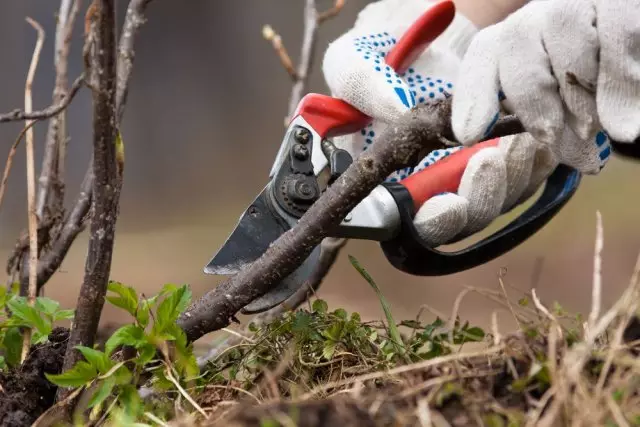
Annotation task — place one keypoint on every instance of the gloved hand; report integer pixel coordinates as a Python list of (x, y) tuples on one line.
[(495, 179), (569, 69)]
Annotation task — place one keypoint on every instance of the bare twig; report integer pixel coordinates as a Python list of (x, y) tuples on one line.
[(12, 152), (276, 41), (309, 41), (52, 171), (331, 12), (48, 112), (75, 221), (133, 21), (74, 224), (31, 183), (106, 187), (596, 294)]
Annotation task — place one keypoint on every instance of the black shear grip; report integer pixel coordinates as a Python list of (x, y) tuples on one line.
[(408, 253)]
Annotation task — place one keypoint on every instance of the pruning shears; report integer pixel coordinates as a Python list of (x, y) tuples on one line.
[(308, 161)]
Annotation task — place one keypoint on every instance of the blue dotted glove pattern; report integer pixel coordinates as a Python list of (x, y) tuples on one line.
[(604, 147), (411, 87)]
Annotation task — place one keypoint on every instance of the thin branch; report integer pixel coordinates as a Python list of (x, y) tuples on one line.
[(133, 21), (52, 170), (106, 187), (309, 41), (74, 224), (12, 153), (48, 112), (31, 182), (276, 41), (332, 12)]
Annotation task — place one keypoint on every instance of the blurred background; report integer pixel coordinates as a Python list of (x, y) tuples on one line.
[(203, 123)]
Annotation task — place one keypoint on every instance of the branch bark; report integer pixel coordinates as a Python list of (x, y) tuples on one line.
[(106, 185), (418, 132)]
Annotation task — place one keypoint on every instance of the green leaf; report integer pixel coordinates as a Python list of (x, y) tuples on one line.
[(132, 335), (329, 349), (147, 353), (47, 305), (301, 324), (12, 344), (122, 375), (393, 329), (104, 391), (320, 306), (341, 313), (130, 401), (126, 297), (96, 358), (64, 315), (77, 376), (28, 315), (171, 307)]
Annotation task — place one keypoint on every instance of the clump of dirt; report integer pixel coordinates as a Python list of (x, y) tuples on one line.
[(25, 391)]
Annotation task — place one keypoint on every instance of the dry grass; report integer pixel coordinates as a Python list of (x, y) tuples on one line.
[(556, 370)]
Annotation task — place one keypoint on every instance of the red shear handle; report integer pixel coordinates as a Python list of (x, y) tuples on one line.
[(333, 117), (419, 36), (443, 176)]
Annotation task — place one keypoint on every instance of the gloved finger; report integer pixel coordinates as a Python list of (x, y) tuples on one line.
[(544, 163), (484, 185), (441, 218), (618, 87), (588, 156), (571, 41), (355, 72), (530, 88), (475, 104), (518, 152)]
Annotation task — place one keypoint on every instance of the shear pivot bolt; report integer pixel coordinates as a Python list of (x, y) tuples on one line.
[(302, 135), (300, 152)]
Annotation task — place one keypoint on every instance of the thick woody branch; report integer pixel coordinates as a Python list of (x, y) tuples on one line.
[(418, 132), (106, 185)]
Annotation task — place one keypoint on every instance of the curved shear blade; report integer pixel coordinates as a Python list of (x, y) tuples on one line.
[(256, 230), (258, 227)]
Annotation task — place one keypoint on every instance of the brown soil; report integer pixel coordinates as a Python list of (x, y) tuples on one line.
[(26, 392)]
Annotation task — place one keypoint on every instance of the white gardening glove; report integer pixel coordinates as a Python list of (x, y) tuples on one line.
[(495, 178), (569, 69)]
